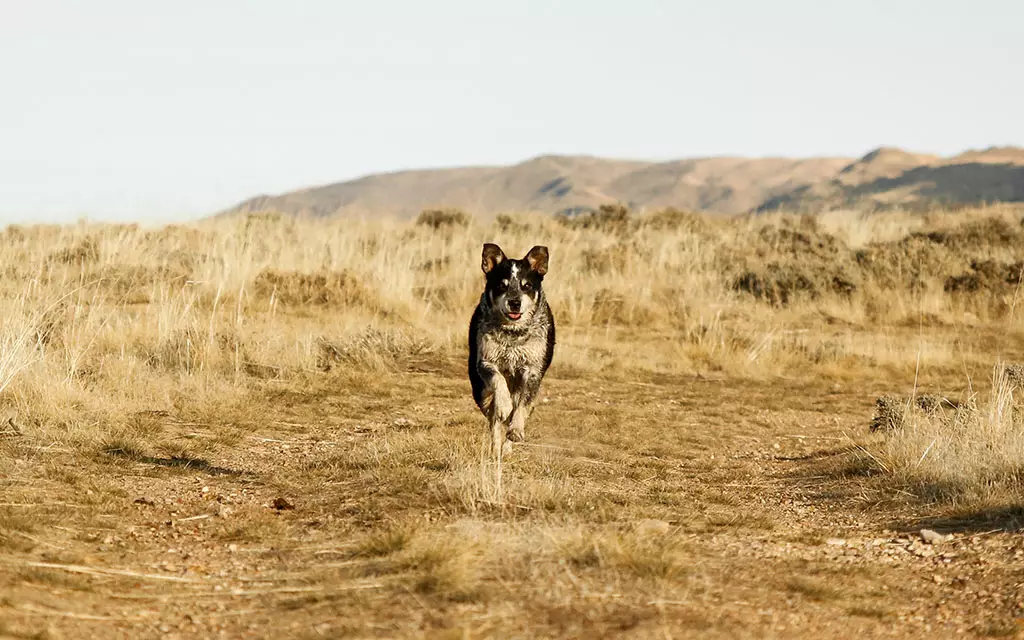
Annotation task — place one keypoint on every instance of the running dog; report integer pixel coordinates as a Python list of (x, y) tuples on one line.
[(511, 342)]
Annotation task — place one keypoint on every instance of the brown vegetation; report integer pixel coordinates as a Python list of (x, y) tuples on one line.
[(262, 426)]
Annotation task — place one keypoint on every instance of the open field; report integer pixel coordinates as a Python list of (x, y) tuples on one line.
[(262, 427)]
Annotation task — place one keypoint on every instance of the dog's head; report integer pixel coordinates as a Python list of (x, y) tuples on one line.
[(514, 286)]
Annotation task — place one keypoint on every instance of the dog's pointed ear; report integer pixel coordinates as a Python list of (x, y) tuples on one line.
[(492, 257), (538, 259)]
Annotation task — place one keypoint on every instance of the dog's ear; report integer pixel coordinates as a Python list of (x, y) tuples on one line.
[(492, 257), (538, 259)]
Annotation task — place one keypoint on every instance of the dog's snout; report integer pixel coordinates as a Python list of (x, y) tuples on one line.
[(515, 305)]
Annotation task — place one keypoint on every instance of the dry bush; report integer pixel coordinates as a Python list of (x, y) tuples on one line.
[(85, 251), (676, 220), (892, 412), (986, 275), (781, 284), (443, 218), (968, 450), (373, 349), (313, 289), (608, 218)]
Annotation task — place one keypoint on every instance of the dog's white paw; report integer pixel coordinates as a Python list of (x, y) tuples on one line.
[(517, 426), (506, 448), (502, 406), (516, 433)]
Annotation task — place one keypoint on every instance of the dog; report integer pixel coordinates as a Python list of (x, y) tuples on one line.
[(511, 342)]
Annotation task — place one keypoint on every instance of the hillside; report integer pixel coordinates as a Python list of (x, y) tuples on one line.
[(887, 178), (884, 178)]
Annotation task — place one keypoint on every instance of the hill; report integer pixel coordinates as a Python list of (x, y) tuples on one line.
[(884, 178), (889, 178)]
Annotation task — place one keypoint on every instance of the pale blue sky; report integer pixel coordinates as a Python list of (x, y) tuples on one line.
[(119, 109)]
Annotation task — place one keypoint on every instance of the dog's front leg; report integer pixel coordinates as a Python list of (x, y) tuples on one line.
[(522, 408), (497, 403)]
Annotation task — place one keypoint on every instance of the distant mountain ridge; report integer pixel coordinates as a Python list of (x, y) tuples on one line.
[(884, 178)]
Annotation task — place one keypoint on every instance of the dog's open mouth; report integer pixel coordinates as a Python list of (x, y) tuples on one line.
[(512, 315)]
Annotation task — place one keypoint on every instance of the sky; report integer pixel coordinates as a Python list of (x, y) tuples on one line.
[(160, 110)]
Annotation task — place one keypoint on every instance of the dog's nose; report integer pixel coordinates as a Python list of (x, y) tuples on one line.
[(514, 305)]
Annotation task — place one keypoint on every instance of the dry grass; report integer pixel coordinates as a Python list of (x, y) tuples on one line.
[(707, 416), (970, 451)]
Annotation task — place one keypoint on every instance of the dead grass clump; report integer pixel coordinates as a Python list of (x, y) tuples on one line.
[(906, 264), (986, 276), (50, 327), (891, 411), (435, 265), (813, 589), (443, 219), (975, 235), (516, 225), (446, 568), (675, 220), (85, 251), (782, 284), (1014, 375), (336, 288), (373, 348), (134, 283), (803, 243), (191, 349), (386, 542), (973, 452), (609, 218), (615, 308), (531, 225), (617, 258), (939, 253), (652, 557), (793, 261)]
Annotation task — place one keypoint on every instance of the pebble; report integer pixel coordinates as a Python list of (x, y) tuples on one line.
[(651, 526), (933, 537)]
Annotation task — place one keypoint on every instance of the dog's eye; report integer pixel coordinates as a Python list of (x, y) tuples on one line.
[(526, 285), (503, 285)]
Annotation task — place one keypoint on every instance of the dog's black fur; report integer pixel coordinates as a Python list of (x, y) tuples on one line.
[(511, 341)]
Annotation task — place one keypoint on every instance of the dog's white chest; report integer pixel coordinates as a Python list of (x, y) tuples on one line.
[(513, 356)]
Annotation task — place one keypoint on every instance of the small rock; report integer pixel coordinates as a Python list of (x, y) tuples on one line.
[(232, 548), (282, 504), (836, 542), (933, 537), (144, 501), (652, 527)]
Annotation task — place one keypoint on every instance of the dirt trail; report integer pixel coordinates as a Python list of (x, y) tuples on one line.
[(355, 507)]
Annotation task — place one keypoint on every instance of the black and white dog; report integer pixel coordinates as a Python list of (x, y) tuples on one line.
[(511, 342)]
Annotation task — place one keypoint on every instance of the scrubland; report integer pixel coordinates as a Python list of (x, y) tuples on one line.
[(260, 426)]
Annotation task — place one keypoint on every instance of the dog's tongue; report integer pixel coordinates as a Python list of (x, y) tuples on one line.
[(514, 316)]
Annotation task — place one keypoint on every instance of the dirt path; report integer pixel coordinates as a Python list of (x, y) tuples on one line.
[(357, 507)]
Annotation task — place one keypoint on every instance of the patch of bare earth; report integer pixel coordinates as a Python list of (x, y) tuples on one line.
[(261, 427), (356, 505)]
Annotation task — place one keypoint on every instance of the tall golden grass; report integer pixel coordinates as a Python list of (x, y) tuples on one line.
[(102, 322)]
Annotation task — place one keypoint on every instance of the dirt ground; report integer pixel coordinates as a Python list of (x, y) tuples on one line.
[(351, 505)]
